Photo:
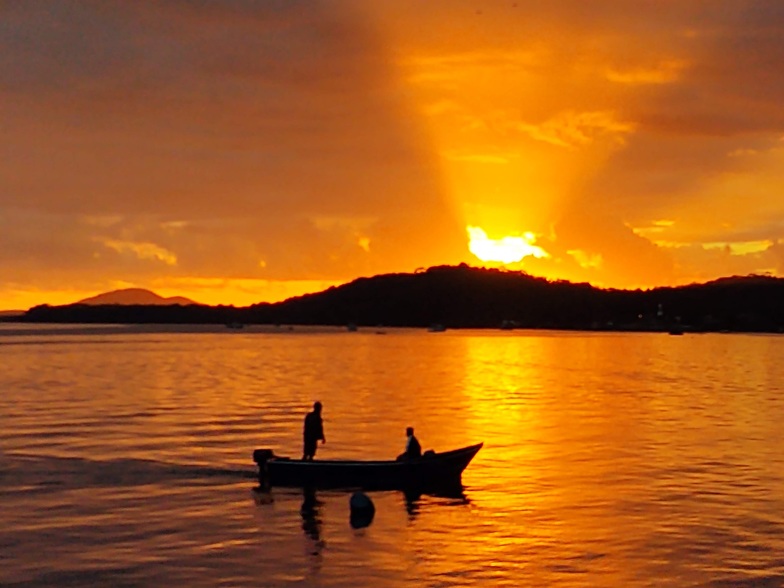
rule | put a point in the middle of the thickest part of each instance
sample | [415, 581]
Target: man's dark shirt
[414, 449]
[314, 428]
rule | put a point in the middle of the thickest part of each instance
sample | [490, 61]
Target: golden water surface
[609, 460]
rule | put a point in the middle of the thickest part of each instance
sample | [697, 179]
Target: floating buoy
[362, 510]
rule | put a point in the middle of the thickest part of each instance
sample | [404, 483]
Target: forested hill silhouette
[466, 297]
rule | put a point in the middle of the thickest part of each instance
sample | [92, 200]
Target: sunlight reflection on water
[609, 459]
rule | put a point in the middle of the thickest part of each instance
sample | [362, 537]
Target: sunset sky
[240, 151]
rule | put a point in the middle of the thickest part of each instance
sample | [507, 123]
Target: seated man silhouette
[413, 448]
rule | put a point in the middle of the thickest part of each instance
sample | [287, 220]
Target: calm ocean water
[610, 459]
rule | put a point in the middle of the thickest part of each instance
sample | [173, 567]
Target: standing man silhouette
[313, 432]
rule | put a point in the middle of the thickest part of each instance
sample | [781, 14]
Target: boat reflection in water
[361, 507]
[311, 519]
[454, 495]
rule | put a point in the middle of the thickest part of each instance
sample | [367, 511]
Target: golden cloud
[142, 250]
[578, 129]
[665, 72]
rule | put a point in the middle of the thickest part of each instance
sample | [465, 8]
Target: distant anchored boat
[431, 471]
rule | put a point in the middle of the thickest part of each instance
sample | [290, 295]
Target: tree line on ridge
[468, 297]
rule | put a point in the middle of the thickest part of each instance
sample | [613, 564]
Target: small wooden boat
[431, 471]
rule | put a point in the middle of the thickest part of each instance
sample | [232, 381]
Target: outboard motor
[261, 457]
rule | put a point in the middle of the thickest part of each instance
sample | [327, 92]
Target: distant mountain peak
[129, 296]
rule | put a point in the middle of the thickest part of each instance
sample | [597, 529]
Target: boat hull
[434, 471]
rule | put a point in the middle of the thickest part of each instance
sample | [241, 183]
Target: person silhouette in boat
[312, 432]
[413, 448]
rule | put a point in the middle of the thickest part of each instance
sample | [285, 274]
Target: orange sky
[237, 151]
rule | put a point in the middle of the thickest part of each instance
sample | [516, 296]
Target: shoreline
[23, 329]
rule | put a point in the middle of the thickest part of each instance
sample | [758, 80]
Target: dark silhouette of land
[138, 296]
[466, 297]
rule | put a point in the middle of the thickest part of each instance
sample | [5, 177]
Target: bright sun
[506, 250]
